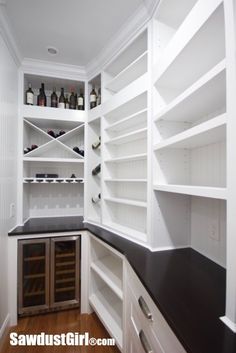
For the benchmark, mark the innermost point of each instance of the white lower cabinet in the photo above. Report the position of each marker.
(124, 306)
(145, 321)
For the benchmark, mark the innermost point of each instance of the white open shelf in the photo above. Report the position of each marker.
(36, 112)
(126, 202)
(127, 122)
(130, 99)
(54, 160)
(129, 137)
(201, 191)
(203, 97)
(109, 268)
(125, 180)
(209, 132)
(134, 70)
(133, 157)
(203, 28)
(109, 310)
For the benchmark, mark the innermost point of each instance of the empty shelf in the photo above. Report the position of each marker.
(202, 191)
(126, 202)
(109, 268)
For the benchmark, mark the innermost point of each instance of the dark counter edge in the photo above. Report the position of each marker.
(114, 240)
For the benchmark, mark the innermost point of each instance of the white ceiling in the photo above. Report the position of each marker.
(79, 29)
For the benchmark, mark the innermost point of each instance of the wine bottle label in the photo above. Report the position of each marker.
(29, 98)
(80, 101)
(93, 98)
(61, 105)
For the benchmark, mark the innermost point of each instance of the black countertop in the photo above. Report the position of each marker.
(187, 287)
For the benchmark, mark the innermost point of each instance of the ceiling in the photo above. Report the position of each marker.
(79, 29)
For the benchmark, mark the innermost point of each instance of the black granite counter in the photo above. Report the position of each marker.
(187, 288)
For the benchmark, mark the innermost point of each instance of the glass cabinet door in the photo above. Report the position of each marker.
(65, 281)
(33, 277)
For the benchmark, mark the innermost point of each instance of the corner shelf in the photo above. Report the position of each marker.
(192, 190)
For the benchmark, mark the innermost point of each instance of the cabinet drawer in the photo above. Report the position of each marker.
(143, 338)
(149, 313)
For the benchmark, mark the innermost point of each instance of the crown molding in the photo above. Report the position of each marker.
(151, 6)
(131, 28)
(7, 34)
(48, 68)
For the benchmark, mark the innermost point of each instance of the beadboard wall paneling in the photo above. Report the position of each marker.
(8, 163)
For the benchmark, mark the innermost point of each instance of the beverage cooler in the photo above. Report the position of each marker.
(49, 274)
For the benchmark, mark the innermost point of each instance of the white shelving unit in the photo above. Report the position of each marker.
(106, 287)
(124, 142)
(193, 116)
(53, 155)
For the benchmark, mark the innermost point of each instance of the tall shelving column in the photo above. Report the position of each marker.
(230, 28)
(190, 119)
(124, 141)
(93, 188)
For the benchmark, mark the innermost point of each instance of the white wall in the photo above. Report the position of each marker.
(8, 165)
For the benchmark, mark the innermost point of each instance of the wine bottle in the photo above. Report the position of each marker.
(67, 102)
(78, 150)
(96, 199)
(96, 170)
(96, 144)
(72, 103)
(54, 99)
(61, 104)
(27, 150)
(93, 99)
(51, 133)
(29, 95)
(81, 101)
(99, 97)
(76, 100)
(42, 99)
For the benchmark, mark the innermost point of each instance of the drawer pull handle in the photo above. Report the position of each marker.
(143, 339)
(145, 308)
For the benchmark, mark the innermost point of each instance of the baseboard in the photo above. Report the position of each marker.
(229, 323)
(4, 328)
